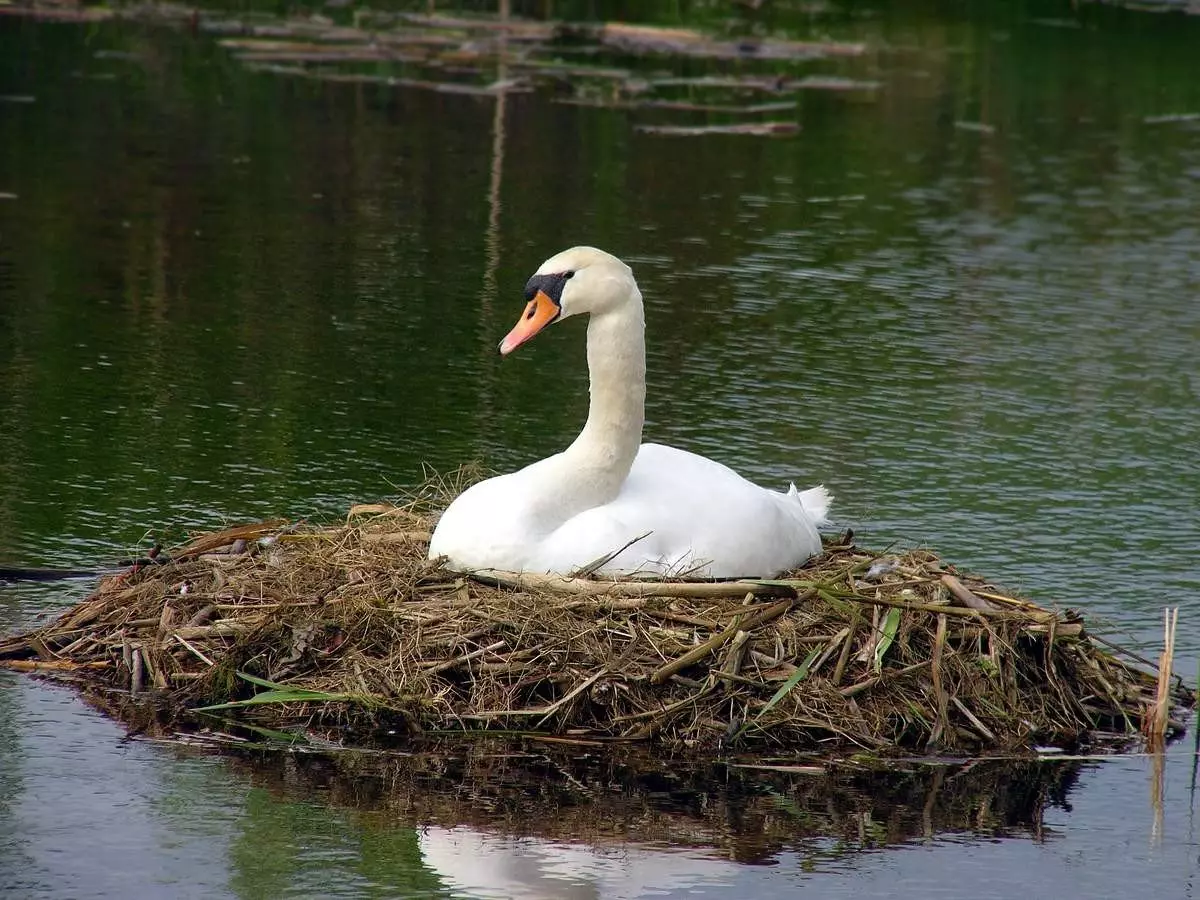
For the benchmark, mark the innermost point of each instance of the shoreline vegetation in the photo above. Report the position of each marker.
(346, 635)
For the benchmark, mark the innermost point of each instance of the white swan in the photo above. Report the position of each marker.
(607, 489)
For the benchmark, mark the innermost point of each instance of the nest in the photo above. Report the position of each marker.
(349, 632)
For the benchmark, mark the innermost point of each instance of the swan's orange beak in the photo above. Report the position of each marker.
(539, 313)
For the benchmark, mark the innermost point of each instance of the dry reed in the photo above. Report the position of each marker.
(355, 635)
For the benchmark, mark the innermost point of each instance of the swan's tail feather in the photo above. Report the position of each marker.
(815, 501)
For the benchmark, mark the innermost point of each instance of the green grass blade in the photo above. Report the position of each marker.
(274, 737)
(276, 693)
(287, 738)
(262, 682)
(287, 696)
(794, 679)
(887, 635)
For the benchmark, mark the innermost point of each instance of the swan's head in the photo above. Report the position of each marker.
(579, 280)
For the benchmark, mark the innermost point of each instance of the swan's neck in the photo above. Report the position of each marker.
(600, 458)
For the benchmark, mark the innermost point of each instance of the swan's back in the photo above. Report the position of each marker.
(699, 517)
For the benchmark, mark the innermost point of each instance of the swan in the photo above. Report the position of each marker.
(654, 510)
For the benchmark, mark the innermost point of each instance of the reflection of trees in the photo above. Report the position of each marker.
(13, 859)
(230, 291)
(286, 846)
(188, 281)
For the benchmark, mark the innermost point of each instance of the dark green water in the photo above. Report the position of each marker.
(967, 301)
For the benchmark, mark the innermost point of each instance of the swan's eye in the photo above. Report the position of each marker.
(567, 275)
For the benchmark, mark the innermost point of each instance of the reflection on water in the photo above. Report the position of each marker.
(964, 301)
(83, 812)
(476, 864)
(86, 813)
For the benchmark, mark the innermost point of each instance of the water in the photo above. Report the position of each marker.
(965, 301)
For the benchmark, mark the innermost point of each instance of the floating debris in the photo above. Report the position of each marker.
(1172, 119)
(633, 38)
(49, 13)
(763, 83)
(684, 106)
(979, 127)
(769, 129)
(585, 64)
(830, 83)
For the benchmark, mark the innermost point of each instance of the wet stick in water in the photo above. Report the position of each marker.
(1159, 714)
(1195, 748)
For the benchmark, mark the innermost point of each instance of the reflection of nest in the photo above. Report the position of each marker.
(355, 634)
(742, 814)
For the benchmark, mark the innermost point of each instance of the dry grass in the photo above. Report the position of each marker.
(853, 650)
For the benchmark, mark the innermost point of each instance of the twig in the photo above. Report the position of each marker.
(717, 641)
(768, 663)
(529, 581)
(54, 665)
(734, 655)
(1059, 629)
(396, 537)
(74, 647)
(839, 670)
(1003, 598)
(204, 659)
(220, 629)
(983, 729)
(833, 644)
(871, 682)
(544, 711)
(939, 689)
(682, 619)
(41, 649)
(466, 657)
(961, 611)
(601, 561)
(1161, 709)
(964, 595)
(1117, 648)
(202, 615)
(156, 677)
(165, 620)
(137, 676)
(664, 710)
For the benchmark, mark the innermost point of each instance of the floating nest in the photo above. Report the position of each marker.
(348, 633)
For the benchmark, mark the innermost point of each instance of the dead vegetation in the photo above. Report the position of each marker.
(349, 632)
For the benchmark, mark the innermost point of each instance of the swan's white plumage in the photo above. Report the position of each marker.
(564, 512)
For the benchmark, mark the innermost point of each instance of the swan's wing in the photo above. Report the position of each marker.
(701, 516)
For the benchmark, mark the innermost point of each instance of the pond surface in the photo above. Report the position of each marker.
(966, 299)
